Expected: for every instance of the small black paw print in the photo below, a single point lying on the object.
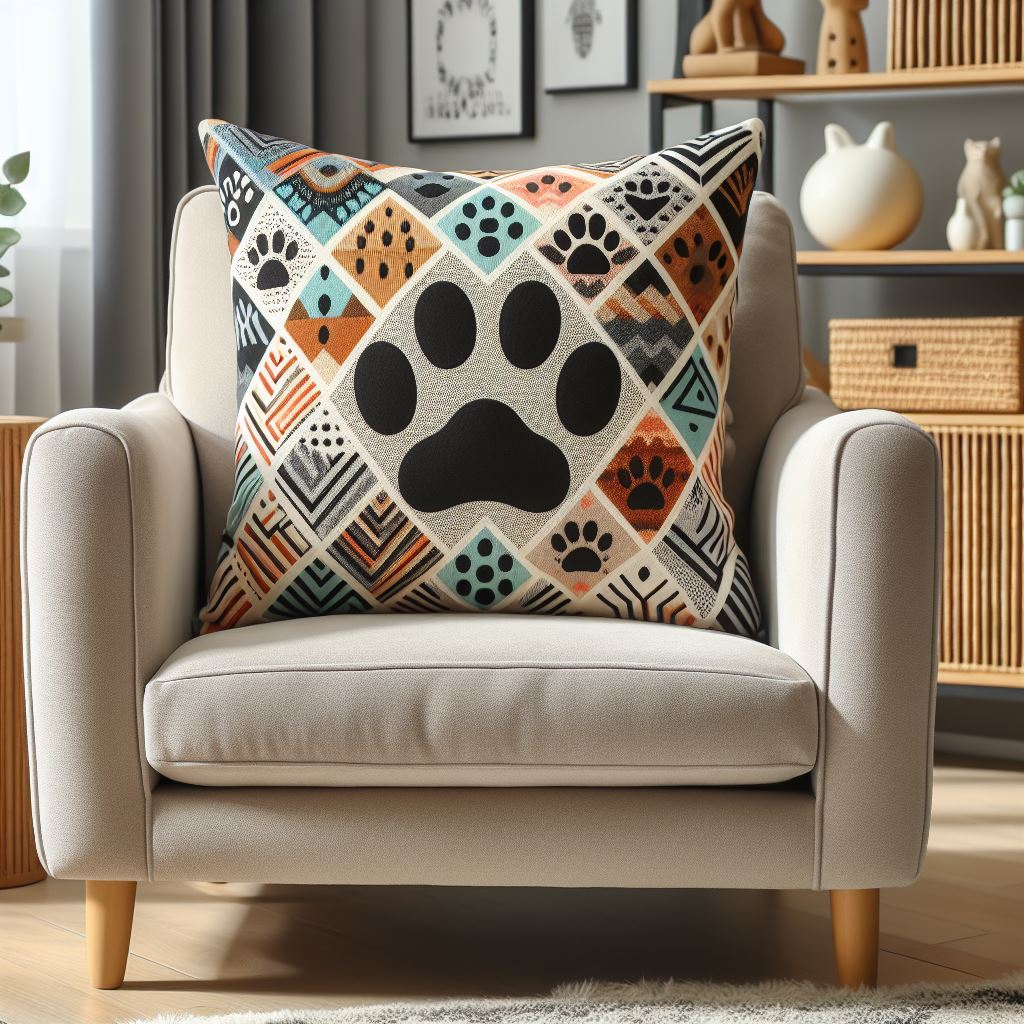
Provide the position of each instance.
(705, 260)
(646, 494)
(272, 256)
(647, 198)
(488, 244)
(581, 550)
(587, 250)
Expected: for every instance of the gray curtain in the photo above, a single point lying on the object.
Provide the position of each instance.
(295, 68)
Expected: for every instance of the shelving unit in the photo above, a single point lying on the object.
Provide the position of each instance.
(767, 89)
(982, 455)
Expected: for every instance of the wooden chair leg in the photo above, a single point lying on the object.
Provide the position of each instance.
(109, 908)
(855, 933)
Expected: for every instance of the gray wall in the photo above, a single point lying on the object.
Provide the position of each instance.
(930, 129)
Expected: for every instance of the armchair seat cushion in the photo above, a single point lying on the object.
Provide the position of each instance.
(498, 700)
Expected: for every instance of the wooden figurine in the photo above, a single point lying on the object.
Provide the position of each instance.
(981, 185)
(736, 37)
(842, 45)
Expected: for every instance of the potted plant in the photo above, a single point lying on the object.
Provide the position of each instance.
(1013, 212)
(12, 202)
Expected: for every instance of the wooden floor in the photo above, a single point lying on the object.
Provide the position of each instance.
(209, 948)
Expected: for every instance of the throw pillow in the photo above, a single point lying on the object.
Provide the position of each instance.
(470, 391)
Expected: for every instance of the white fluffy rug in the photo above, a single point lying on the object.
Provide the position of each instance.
(999, 1002)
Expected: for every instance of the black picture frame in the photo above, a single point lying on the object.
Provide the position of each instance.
(632, 48)
(527, 71)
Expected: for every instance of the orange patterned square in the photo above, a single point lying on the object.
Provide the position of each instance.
(385, 248)
(699, 261)
(647, 476)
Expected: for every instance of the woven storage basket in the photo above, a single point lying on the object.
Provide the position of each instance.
(947, 365)
(954, 34)
(982, 598)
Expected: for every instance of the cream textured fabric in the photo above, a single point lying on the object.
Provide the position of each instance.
(110, 556)
(847, 540)
(758, 838)
(498, 700)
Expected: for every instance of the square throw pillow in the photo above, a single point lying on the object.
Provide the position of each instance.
(482, 391)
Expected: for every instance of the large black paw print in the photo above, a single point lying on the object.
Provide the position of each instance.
(272, 256)
(485, 452)
(581, 550)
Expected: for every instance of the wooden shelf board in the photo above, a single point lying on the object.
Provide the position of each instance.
(981, 677)
(910, 262)
(876, 257)
(773, 86)
(967, 419)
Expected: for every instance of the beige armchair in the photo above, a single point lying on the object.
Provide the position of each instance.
(482, 750)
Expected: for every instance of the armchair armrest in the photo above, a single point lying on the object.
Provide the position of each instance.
(847, 547)
(110, 552)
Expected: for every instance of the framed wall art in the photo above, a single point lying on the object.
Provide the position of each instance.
(470, 69)
(589, 44)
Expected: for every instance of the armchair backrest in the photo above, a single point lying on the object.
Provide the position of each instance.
(766, 377)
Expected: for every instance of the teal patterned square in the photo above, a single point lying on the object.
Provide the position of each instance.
(489, 227)
(692, 403)
(484, 572)
(326, 192)
(324, 295)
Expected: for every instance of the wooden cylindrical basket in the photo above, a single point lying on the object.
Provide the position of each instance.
(19, 864)
(934, 365)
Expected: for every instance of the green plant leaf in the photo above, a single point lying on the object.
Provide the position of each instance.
(11, 201)
(16, 168)
(4, 272)
(6, 296)
(8, 237)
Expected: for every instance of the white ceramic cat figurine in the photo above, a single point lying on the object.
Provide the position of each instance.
(861, 197)
(981, 184)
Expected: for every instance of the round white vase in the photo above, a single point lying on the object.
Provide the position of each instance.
(963, 232)
(861, 197)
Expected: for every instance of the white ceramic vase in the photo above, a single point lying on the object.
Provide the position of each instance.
(963, 232)
(1013, 222)
(861, 196)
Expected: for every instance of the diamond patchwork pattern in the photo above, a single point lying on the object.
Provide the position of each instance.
(485, 572)
(385, 248)
(475, 391)
(488, 227)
